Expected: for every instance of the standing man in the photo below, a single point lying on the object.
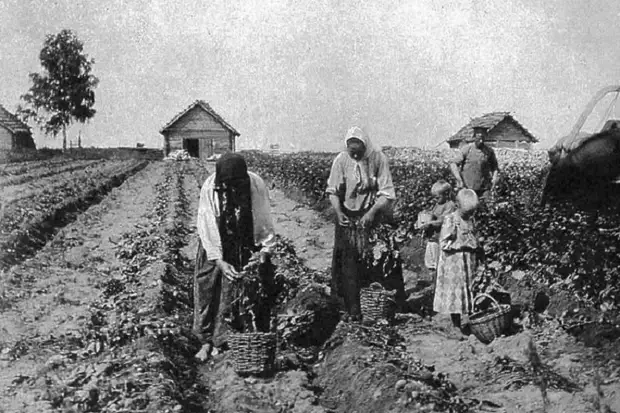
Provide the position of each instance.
(475, 167)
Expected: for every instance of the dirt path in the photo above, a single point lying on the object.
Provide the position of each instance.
(312, 236)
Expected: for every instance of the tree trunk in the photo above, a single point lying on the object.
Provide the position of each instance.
(64, 139)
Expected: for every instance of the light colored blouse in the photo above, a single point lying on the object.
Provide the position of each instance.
(439, 211)
(457, 234)
(209, 214)
(344, 180)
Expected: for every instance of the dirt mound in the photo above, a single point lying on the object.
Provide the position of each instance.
(310, 317)
(368, 369)
(286, 392)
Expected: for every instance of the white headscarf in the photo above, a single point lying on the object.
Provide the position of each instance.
(362, 168)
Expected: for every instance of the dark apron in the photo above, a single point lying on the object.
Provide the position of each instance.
(353, 268)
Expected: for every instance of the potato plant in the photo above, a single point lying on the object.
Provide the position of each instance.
(562, 244)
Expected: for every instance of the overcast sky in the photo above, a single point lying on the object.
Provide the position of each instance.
(296, 72)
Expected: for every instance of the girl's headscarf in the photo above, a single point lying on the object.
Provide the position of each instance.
(236, 226)
(362, 169)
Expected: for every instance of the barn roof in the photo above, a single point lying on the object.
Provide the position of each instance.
(489, 121)
(205, 106)
(11, 122)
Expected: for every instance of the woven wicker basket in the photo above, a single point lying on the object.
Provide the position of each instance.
(253, 353)
(377, 304)
(489, 324)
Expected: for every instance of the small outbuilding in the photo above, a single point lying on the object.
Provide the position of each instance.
(200, 131)
(503, 132)
(14, 134)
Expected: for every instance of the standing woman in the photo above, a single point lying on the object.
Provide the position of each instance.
(361, 191)
(233, 222)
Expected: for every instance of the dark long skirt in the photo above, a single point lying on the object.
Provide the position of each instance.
(355, 265)
(215, 315)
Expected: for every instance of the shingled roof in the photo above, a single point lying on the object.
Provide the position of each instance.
(205, 106)
(11, 122)
(489, 121)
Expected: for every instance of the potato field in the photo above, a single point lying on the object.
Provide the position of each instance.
(96, 296)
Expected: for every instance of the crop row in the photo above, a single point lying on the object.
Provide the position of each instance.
(18, 168)
(23, 203)
(28, 223)
(39, 173)
(138, 323)
(559, 245)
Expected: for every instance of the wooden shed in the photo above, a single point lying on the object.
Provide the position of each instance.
(200, 131)
(503, 132)
(14, 134)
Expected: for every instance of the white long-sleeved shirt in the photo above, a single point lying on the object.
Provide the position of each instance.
(209, 214)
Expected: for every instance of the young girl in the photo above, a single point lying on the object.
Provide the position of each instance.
(457, 259)
(441, 191)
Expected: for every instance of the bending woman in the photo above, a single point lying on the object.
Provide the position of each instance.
(233, 222)
(361, 191)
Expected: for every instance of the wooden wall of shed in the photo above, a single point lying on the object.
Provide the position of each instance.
(210, 142)
(6, 139)
(496, 144)
(507, 130)
(510, 144)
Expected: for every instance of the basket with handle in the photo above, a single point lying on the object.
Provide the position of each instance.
(253, 353)
(377, 303)
(491, 323)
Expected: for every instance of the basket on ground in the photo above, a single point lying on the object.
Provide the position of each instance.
(253, 353)
(491, 323)
(377, 304)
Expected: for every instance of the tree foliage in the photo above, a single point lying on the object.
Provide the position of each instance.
(63, 92)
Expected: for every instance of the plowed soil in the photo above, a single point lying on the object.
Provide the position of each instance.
(55, 355)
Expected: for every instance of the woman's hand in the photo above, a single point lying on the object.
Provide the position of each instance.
(343, 221)
(227, 270)
(368, 219)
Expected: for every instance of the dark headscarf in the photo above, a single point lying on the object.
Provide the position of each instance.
(230, 168)
(236, 226)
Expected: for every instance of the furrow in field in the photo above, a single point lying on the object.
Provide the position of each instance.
(17, 168)
(51, 186)
(47, 171)
(21, 239)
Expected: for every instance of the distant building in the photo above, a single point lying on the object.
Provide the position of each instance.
(274, 148)
(504, 132)
(200, 131)
(14, 134)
